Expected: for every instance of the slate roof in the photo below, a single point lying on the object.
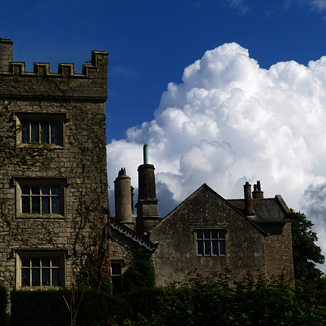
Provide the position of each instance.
(134, 236)
(267, 210)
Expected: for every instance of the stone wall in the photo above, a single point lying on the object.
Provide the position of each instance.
(79, 163)
(176, 258)
(279, 255)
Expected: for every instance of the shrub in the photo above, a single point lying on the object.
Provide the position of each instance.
(3, 305)
(48, 308)
(251, 302)
(145, 302)
(98, 307)
(140, 274)
(39, 308)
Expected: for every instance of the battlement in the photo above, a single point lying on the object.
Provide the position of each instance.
(16, 82)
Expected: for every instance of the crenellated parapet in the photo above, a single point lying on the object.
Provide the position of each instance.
(17, 83)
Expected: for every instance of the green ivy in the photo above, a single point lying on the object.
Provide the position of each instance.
(9, 152)
(141, 273)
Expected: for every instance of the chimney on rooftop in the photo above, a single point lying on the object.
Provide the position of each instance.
(123, 199)
(248, 200)
(147, 208)
(6, 51)
(257, 193)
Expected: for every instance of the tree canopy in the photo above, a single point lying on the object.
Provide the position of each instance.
(306, 253)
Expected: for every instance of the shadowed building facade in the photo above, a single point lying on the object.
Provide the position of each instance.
(208, 234)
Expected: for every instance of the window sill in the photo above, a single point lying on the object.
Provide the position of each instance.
(40, 216)
(38, 288)
(40, 146)
(211, 256)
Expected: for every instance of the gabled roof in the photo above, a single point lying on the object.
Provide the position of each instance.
(205, 187)
(267, 210)
(132, 235)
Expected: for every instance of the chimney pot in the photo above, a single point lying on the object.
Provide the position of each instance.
(257, 193)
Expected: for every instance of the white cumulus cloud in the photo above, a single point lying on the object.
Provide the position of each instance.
(230, 121)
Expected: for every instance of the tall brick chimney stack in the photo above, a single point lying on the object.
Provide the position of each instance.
(257, 193)
(6, 52)
(249, 210)
(123, 199)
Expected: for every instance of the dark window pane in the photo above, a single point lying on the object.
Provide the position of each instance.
(36, 277)
(221, 235)
(25, 190)
(25, 277)
(200, 247)
(25, 132)
(199, 234)
(116, 269)
(45, 191)
(45, 132)
(45, 205)
(207, 234)
(25, 262)
(46, 277)
(26, 204)
(222, 248)
(35, 190)
(215, 247)
(36, 262)
(214, 234)
(46, 262)
(55, 277)
(55, 205)
(36, 205)
(54, 133)
(55, 262)
(55, 191)
(207, 247)
(35, 132)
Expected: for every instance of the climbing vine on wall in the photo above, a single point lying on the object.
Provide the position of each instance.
(9, 152)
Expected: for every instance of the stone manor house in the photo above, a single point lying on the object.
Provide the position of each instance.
(54, 194)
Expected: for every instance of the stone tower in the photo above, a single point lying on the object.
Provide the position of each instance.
(53, 191)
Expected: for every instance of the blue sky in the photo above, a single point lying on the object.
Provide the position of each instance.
(151, 41)
(223, 92)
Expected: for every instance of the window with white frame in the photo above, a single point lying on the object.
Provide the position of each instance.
(40, 197)
(40, 128)
(211, 242)
(40, 269)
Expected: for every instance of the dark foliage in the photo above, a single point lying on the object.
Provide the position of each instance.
(87, 280)
(47, 308)
(214, 302)
(305, 252)
(145, 301)
(97, 308)
(39, 308)
(3, 305)
(140, 274)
